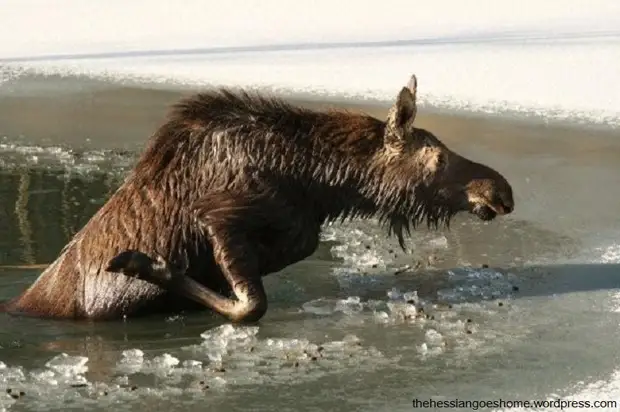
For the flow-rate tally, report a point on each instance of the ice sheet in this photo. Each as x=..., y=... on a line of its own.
x=559, y=59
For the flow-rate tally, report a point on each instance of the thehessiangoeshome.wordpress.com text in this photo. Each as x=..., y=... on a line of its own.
x=501, y=403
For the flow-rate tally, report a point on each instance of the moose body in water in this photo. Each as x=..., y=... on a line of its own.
x=236, y=185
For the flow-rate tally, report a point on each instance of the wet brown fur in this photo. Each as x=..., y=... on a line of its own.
x=290, y=170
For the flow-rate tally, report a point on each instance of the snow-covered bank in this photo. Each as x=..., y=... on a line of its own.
x=559, y=59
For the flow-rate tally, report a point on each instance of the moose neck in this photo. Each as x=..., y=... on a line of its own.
x=353, y=174
x=347, y=173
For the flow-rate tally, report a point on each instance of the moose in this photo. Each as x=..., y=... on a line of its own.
x=235, y=185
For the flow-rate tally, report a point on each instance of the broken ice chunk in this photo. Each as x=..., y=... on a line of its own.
x=320, y=306
x=350, y=305
x=164, y=361
x=411, y=297
x=68, y=365
x=394, y=294
x=433, y=338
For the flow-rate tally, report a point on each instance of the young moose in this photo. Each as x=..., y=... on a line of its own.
x=235, y=186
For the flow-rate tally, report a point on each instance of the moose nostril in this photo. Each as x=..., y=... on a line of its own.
x=508, y=208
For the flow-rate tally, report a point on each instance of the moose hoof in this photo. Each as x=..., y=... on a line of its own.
x=131, y=263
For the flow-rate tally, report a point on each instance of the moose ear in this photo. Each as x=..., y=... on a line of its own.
x=402, y=114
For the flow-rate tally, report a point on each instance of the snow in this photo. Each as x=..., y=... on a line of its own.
x=559, y=59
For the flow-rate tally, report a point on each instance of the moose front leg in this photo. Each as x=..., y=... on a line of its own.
x=234, y=223
x=238, y=262
x=250, y=306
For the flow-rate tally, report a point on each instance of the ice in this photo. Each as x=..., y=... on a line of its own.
x=382, y=317
x=408, y=307
x=351, y=339
x=131, y=361
x=234, y=356
x=440, y=242
x=358, y=52
x=433, y=338
x=424, y=350
x=320, y=306
x=358, y=248
x=132, y=356
x=349, y=305
x=394, y=294
x=403, y=305
x=12, y=374
x=191, y=364
x=16, y=153
x=611, y=254
x=441, y=324
x=222, y=340
x=468, y=283
x=60, y=383
x=68, y=365
x=271, y=360
x=164, y=361
x=227, y=334
x=411, y=297
x=324, y=306
x=402, y=310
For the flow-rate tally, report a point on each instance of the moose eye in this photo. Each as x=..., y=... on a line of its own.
x=441, y=160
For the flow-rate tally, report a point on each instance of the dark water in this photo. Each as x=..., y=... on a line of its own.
x=540, y=320
x=31, y=196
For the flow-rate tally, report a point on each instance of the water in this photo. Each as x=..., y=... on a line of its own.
x=360, y=325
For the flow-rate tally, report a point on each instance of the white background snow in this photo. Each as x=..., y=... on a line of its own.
x=552, y=58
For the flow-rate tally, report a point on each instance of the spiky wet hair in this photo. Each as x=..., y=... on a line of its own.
x=333, y=163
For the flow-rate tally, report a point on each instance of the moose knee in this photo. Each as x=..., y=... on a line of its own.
x=249, y=311
x=252, y=301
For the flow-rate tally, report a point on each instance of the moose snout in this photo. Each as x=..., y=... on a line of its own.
x=504, y=203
